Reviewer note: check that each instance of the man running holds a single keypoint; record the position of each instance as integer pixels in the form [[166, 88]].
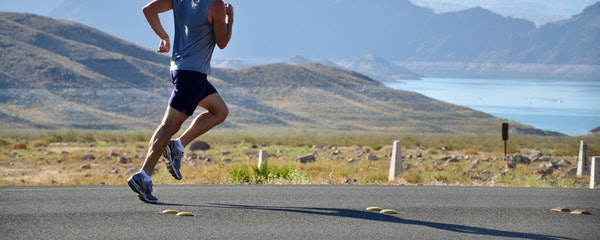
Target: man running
[[199, 26]]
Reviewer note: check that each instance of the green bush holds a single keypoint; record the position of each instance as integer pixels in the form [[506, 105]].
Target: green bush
[[261, 174], [240, 174], [3, 143], [377, 147]]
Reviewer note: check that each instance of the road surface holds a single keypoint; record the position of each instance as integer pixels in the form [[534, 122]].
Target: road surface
[[298, 212]]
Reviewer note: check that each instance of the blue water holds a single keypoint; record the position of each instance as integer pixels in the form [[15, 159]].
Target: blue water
[[571, 107]]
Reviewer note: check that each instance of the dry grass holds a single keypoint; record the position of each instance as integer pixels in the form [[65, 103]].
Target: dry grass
[[97, 158]]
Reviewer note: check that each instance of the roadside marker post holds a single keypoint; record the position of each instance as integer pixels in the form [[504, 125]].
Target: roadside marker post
[[262, 158], [595, 172], [396, 162], [582, 159], [504, 136]]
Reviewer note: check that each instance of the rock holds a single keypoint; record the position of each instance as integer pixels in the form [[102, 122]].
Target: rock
[[86, 166], [307, 158], [130, 171], [540, 158], [511, 165], [199, 145], [112, 153], [563, 163], [474, 164], [123, 160], [518, 158], [191, 156], [544, 170], [372, 157], [450, 159], [352, 160], [350, 181], [541, 177], [88, 156]]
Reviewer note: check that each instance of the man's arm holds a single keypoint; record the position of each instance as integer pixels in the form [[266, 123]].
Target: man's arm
[[221, 16], [151, 11]]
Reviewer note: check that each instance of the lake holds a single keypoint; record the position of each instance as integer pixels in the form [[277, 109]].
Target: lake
[[570, 107]]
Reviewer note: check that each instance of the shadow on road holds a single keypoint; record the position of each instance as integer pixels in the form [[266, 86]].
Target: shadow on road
[[375, 216]]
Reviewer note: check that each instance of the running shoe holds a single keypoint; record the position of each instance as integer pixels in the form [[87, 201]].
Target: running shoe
[[173, 157], [142, 188]]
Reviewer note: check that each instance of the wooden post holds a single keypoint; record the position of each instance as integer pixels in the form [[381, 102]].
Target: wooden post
[[396, 162], [595, 172], [582, 159], [505, 136], [262, 158]]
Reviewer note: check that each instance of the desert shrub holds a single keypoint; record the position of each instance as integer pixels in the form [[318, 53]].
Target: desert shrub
[[19, 145], [432, 151], [470, 152], [443, 177], [284, 172], [39, 144], [240, 174], [62, 136], [88, 137], [261, 174], [377, 146], [267, 174], [3, 142], [412, 178]]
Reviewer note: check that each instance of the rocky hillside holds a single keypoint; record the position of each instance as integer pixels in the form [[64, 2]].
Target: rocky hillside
[[57, 74]]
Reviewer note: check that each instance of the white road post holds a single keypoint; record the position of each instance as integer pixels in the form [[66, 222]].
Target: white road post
[[595, 172], [582, 159], [396, 163], [262, 158]]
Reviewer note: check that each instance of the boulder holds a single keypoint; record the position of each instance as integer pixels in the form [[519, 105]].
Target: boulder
[[307, 158], [123, 160], [199, 145]]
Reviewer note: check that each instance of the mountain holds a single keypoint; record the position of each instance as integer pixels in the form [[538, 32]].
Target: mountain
[[37, 50], [538, 11], [58, 74], [379, 68], [473, 42]]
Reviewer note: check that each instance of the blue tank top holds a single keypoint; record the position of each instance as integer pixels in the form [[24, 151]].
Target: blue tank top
[[194, 41]]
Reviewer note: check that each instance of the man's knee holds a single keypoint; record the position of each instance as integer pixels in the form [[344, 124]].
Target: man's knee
[[221, 114]]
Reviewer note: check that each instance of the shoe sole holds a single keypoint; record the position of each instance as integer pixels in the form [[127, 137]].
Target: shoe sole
[[167, 156], [137, 189]]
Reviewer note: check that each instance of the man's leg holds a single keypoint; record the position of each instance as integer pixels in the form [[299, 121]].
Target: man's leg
[[169, 126], [141, 182], [216, 112]]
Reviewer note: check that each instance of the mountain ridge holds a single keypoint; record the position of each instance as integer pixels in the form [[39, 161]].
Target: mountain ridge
[[78, 84]]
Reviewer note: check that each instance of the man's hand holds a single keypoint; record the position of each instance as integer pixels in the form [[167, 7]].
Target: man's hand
[[229, 12], [220, 14], [164, 46]]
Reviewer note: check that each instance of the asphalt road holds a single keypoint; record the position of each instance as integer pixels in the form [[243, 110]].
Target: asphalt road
[[298, 212]]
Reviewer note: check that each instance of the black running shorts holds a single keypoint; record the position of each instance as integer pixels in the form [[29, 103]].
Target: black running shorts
[[189, 88]]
